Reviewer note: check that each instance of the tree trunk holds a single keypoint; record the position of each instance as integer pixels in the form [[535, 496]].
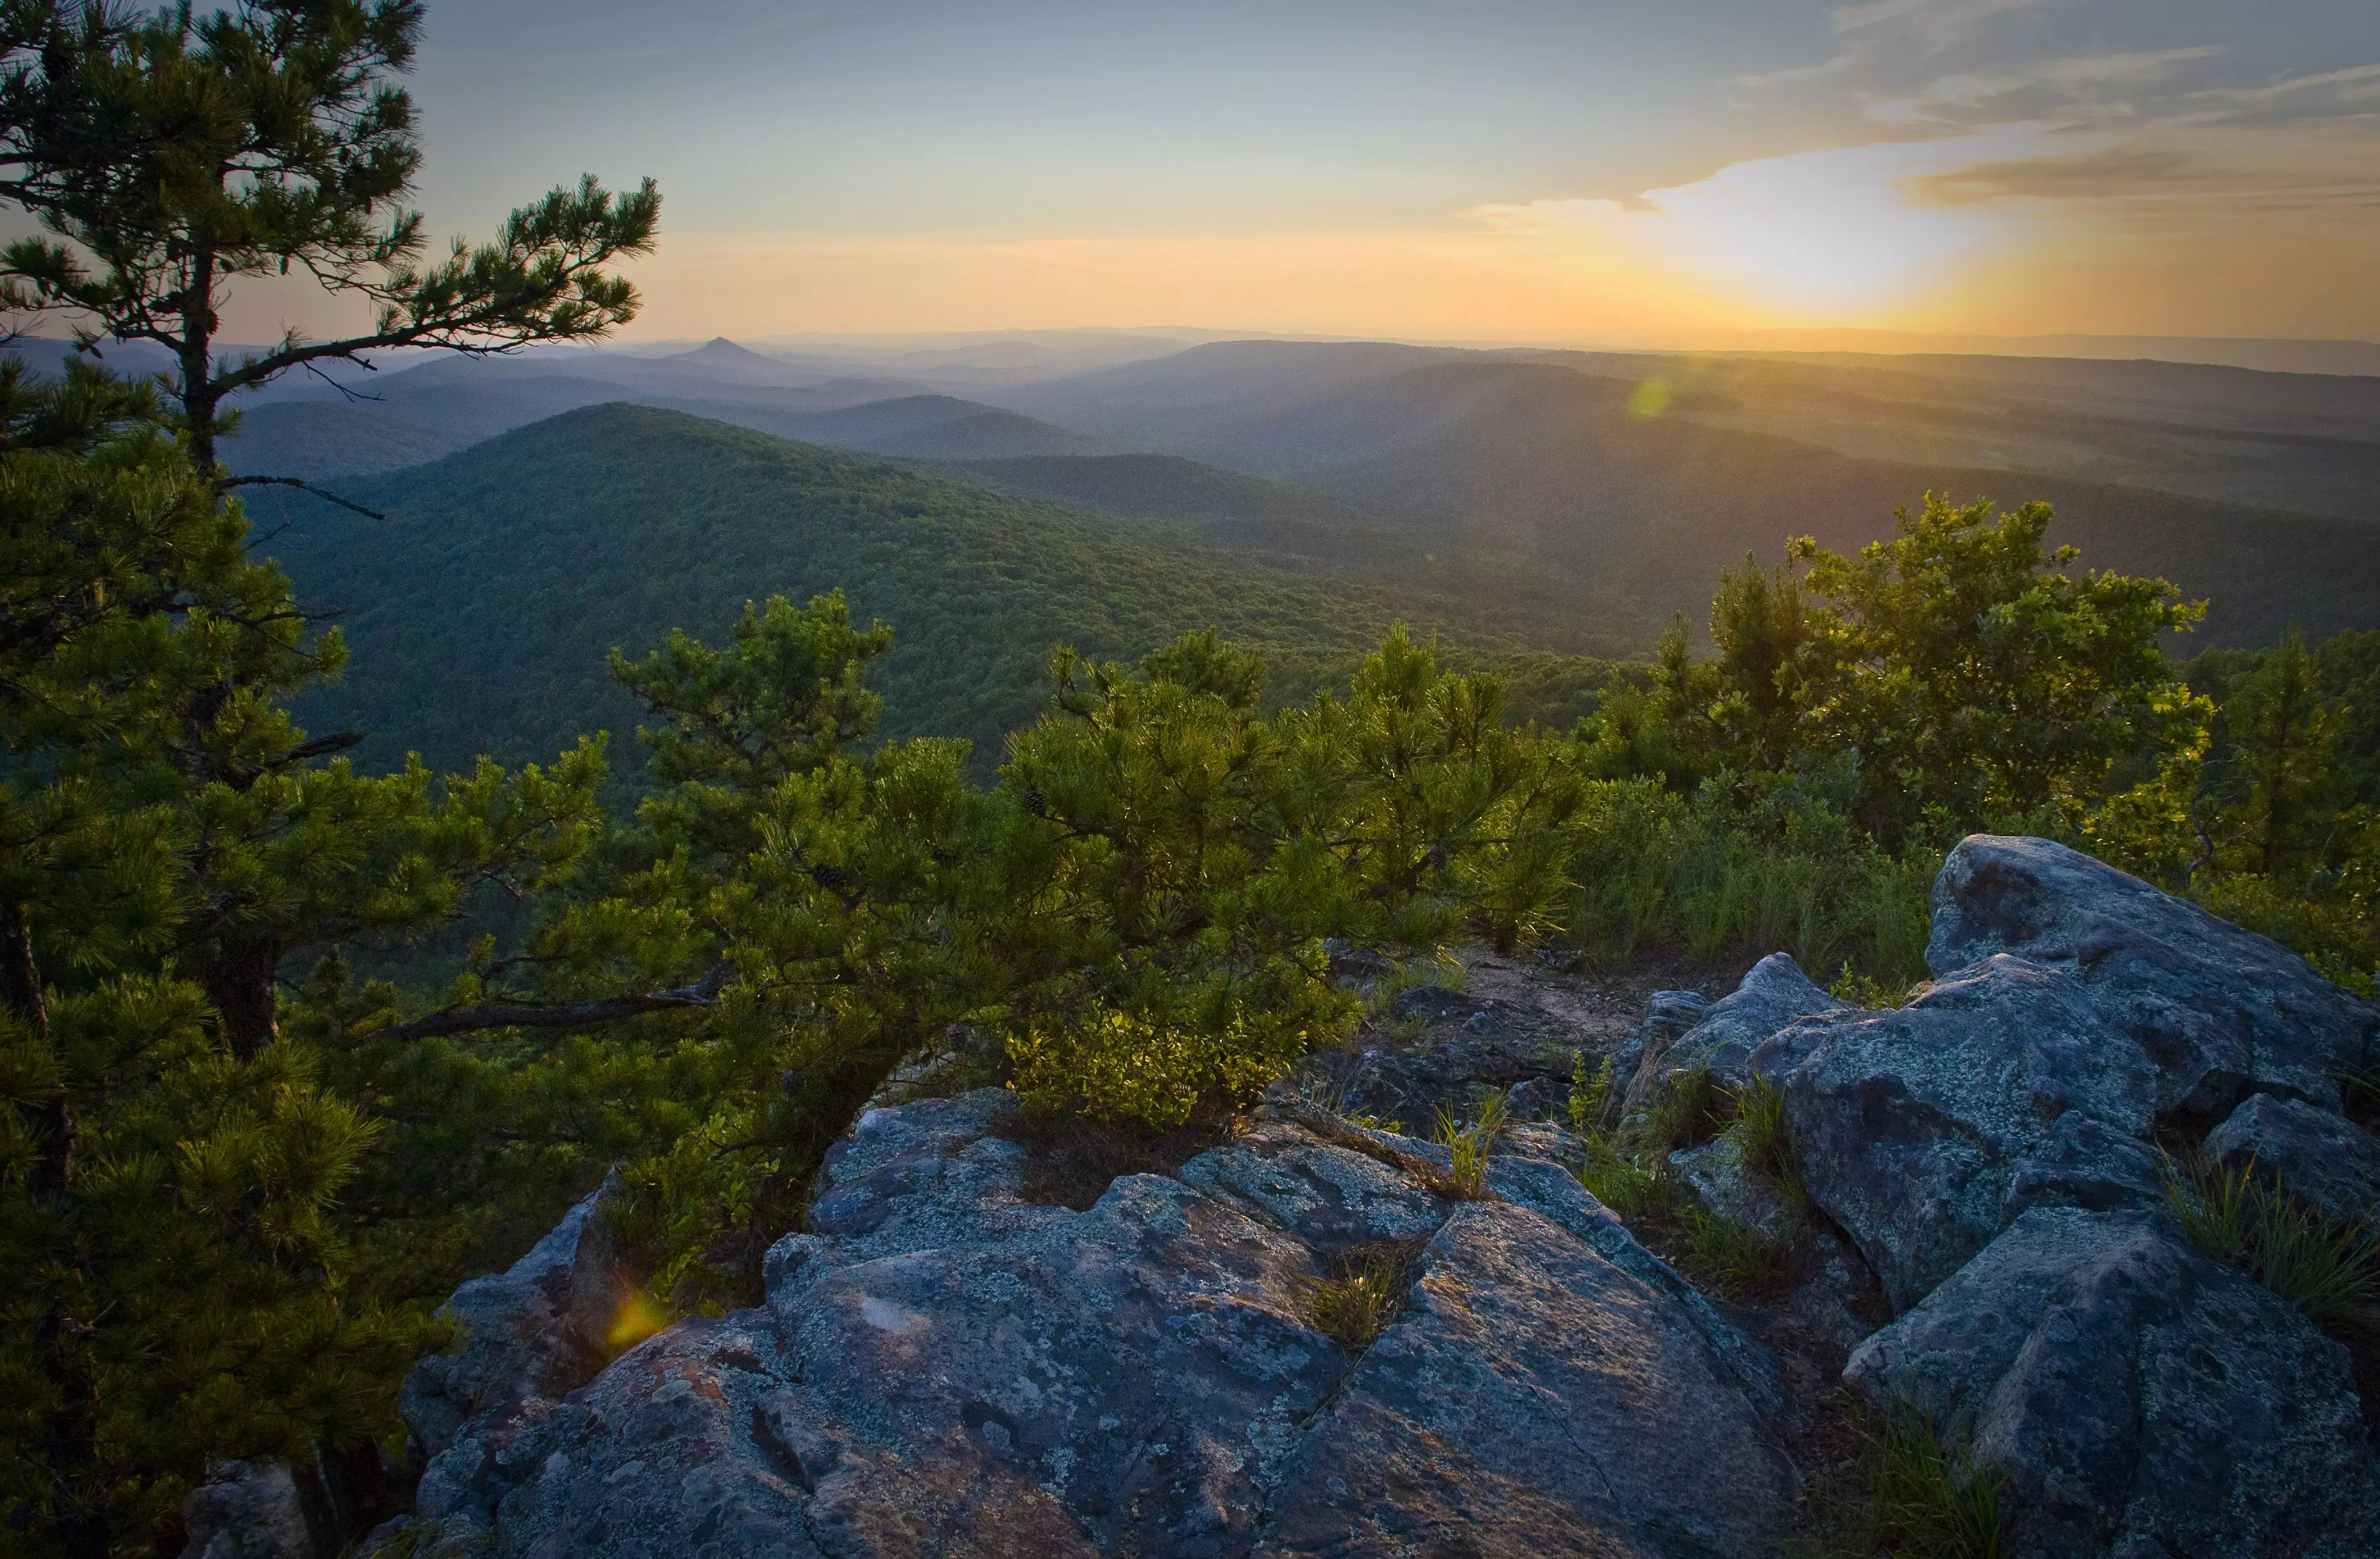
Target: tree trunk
[[71, 1439], [20, 989], [343, 1496], [241, 983], [199, 397]]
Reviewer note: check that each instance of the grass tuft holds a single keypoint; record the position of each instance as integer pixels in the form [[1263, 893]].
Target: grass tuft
[[1729, 1256], [1688, 1108], [1367, 1288], [1468, 1146], [1901, 1495], [1761, 1137], [2328, 1269]]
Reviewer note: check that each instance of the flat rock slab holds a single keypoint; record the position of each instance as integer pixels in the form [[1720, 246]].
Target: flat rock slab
[[1441, 1440], [944, 1367]]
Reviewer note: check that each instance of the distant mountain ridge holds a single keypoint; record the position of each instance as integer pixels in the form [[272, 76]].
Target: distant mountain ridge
[[1625, 475]]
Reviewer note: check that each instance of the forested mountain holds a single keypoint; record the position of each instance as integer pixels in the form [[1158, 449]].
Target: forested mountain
[[1594, 494], [439, 407], [480, 611], [1638, 493]]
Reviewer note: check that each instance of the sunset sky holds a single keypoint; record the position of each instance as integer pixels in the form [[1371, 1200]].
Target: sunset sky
[[1548, 170]]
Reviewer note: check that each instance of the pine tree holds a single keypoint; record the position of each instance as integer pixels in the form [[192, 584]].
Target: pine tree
[[179, 151]]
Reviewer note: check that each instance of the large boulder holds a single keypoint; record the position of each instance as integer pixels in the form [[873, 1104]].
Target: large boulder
[[529, 1334], [2137, 1399], [1726, 1032], [2322, 1158], [2222, 1011], [946, 1365], [1910, 1128]]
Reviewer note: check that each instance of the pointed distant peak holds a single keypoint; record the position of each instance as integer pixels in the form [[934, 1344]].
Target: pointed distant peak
[[720, 349]]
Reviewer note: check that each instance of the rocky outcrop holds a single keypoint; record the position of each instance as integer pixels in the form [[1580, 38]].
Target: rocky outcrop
[[1911, 1127], [1989, 1150], [2223, 1012], [529, 1334], [245, 1510], [945, 1366], [2134, 1397], [965, 1351]]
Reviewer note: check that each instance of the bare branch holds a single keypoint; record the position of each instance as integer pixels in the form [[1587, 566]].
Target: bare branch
[[571, 1015], [301, 487]]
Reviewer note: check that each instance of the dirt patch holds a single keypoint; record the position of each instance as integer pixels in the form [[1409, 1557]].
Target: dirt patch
[[1074, 1159]]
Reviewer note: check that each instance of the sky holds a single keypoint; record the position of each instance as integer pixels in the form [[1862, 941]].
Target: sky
[[1679, 173]]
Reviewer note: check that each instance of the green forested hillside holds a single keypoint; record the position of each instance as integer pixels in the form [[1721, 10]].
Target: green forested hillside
[[480, 611], [322, 438]]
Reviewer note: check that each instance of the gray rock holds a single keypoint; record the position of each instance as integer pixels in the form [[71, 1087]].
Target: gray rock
[[2223, 1011], [1724, 1034], [245, 1510], [2137, 1398], [2322, 1158], [532, 1332], [1909, 1127], [2087, 1163], [1668, 1014], [1471, 1046], [1440, 1440], [944, 1367], [1717, 1176]]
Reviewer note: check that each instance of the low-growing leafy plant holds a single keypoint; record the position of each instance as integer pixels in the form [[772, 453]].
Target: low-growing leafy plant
[[1367, 1289], [1590, 1094], [1863, 989]]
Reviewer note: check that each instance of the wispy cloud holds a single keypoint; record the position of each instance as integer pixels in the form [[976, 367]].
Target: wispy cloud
[[1834, 66], [2075, 82], [1939, 22]]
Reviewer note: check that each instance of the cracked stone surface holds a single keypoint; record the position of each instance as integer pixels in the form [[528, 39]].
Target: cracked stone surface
[[943, 1367]]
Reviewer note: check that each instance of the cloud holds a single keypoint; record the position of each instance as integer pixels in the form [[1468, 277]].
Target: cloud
[[1830, 233], [2108, 173], [1834, 66], [2075, 83], [1938, 22], [2292, 99]]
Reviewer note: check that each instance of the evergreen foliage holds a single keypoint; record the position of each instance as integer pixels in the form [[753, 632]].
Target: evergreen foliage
[[178, 1285], [178, 152]]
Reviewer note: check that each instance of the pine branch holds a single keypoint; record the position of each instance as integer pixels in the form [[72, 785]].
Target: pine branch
[[571, 1014]]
